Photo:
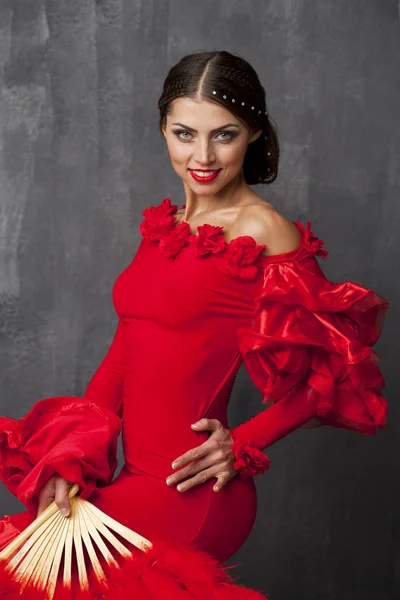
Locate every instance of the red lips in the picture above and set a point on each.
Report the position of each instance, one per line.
(203, 179)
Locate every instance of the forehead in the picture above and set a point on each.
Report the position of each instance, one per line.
(201, 112)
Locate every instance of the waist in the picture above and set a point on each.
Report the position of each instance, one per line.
(152, 449)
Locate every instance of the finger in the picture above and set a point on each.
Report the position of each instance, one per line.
(207, 425)
(61, 496)
(191, 455)
(196, 480)
(201, 477)
(199, 451)
(192, 469)
(46, 495)
(222, 471)
(217, 455)
(222, 480)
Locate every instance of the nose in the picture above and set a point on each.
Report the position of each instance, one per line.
(204, 153)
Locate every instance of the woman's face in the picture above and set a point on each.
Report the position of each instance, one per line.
(206, 144)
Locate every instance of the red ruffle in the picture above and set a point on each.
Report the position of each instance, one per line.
(310, 241)
(310, 328)
(167, 571)
(8, 532)
(65, 435)
(249, 461)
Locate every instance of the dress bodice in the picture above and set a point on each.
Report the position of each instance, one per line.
(182, 302)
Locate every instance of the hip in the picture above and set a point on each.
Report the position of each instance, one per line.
(216, 522)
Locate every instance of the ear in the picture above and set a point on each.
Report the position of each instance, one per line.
(255, 135)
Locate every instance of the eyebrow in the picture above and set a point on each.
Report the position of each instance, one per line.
(212, 131)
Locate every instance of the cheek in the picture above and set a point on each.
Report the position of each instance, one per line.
(178, 152)
(233, 154)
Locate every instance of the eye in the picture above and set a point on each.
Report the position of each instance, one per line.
(230, 135)
(186, 136)
(180, 132)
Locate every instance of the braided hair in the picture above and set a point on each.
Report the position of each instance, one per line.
(230, 81)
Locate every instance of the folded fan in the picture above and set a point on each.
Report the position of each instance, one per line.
(38, 551)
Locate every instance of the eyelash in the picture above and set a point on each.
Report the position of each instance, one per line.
(178, 132)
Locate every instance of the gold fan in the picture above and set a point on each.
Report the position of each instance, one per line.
(41, 545)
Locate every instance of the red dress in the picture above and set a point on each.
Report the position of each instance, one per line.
(191, 308)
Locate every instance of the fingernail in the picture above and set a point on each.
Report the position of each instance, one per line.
(216, 489)
(174, 465)
(179, 487)
(195, 425)
(169, 481)
(65, 512)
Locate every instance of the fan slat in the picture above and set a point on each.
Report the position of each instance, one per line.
(28, 543)
(89, 546)
(55, 567)
(46, 559)
(119, 546)
(27, 567)
(80, 559)
(67, 578)
(97, 537)
(134, 538)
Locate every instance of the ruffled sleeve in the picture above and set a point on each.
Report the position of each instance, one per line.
(69, 436)
(310, 351)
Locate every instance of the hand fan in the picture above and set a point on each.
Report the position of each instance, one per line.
(35, 556)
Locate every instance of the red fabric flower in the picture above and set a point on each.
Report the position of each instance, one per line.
(249, 460)
(210, 238)
(158, 221)
(241, 254)
(310, 241)
(176, 238)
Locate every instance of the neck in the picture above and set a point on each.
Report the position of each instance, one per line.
(229, 195)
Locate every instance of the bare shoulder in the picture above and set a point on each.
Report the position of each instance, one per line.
(267, 226)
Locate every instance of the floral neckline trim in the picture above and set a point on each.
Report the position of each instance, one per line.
(241, 254)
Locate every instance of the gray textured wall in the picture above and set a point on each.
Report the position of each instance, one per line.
(80, 157)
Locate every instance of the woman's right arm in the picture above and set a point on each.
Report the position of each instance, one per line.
(106, 386)
(104, 389)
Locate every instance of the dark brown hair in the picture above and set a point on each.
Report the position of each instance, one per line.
(230, 81)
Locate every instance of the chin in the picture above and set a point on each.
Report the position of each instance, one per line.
(209, 190)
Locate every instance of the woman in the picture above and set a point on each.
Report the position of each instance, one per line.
(222, 279)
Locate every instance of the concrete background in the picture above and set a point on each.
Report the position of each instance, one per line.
(81, 156)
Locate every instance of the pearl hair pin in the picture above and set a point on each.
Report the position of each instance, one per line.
(234, 100)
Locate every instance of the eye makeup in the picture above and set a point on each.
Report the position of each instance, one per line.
(179, 132)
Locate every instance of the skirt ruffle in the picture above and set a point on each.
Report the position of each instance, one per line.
(166, 572)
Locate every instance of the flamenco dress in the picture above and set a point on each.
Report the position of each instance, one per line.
(191, 309)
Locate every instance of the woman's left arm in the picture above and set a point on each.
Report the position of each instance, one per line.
(310, 354)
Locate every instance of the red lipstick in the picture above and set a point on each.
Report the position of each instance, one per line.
(203, 178)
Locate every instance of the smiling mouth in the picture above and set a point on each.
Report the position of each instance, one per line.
(206, 173)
